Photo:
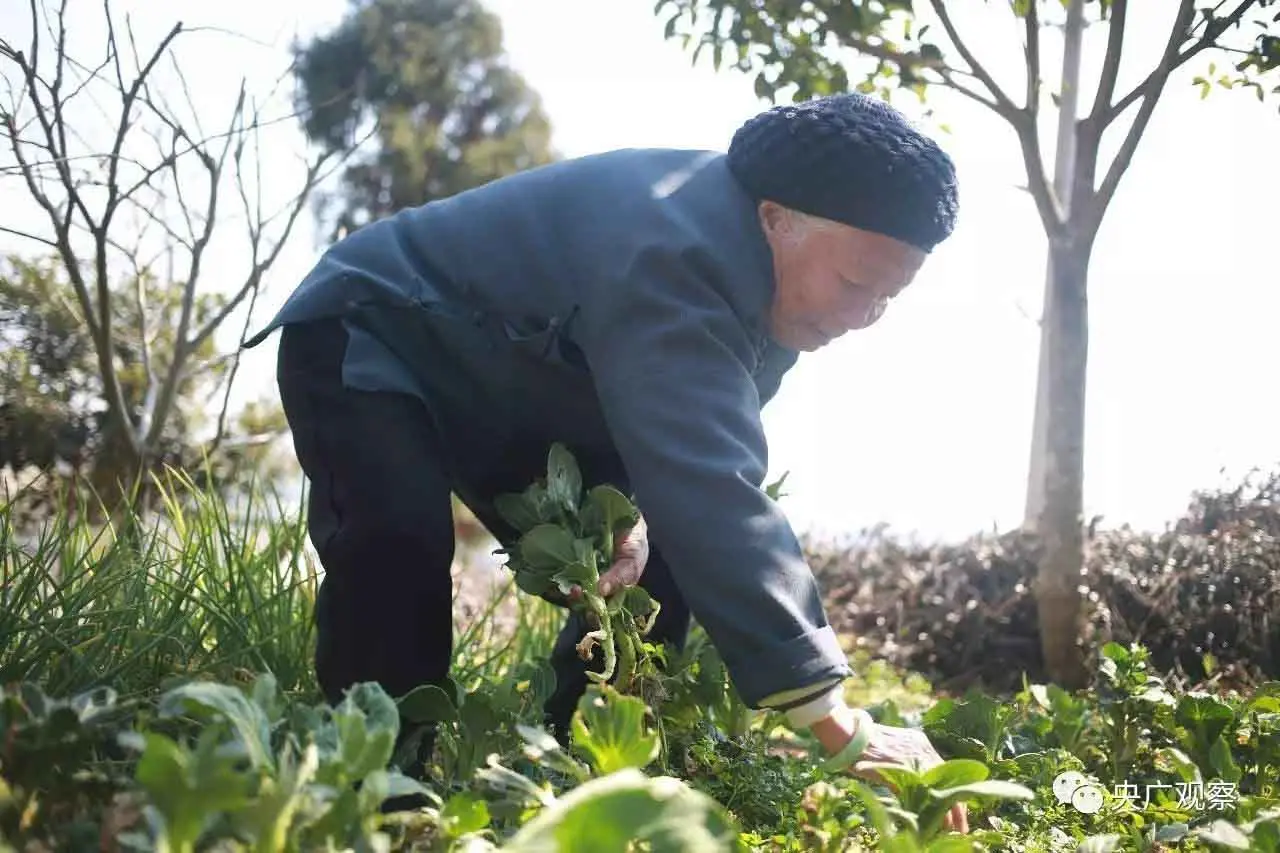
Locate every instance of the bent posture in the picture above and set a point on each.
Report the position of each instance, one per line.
(640, 307)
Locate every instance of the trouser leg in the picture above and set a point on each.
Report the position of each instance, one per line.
(380, 517)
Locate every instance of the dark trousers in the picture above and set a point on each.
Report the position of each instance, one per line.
(381, 520)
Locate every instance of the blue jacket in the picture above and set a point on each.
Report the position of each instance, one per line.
(619, 302)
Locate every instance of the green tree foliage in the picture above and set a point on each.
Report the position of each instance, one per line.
(431, 77)
(53, 416)
(807, 46)
(811, 47)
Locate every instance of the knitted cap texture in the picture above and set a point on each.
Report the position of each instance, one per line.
(853, 159)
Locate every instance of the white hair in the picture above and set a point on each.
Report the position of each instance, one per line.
(808, 224)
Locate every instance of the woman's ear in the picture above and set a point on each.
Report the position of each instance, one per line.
(776, 220)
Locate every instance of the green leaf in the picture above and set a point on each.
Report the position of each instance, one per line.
(638, 601)
(207, 701)
(1221, 761)
(189, 787)
(661, 814)
(534, 582)
(577, 574)
(899, 776)
(875, 809)
(1266, 836)
(479, 716)
(1203, 714)
(610, 728)
(519, 511)
(613, 508)
(564, 479)
(428, 704)
(1113, 651)
(463, 813)
(969, 728)
(373, 705)
(361, 738)
(989, 788)
(957, 771)
(1181, 763)
(547, 546)
(774, 489)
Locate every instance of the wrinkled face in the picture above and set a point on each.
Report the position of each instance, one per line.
(831, 278)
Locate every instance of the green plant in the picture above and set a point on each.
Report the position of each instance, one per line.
(145, 705)
(567, 540)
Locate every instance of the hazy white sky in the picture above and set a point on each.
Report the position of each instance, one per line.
(922, 422)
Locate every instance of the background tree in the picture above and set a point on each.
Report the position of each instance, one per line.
(149, 194)
(808, 48)
(52, 418)
(431, 79)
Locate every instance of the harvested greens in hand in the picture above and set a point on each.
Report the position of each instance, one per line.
(567, 539)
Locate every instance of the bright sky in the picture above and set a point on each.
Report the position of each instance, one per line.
(922, 422)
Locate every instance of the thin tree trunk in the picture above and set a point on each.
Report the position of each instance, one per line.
(1060, 525)
(1063, 183)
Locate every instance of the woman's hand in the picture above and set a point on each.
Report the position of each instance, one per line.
(887, 744)
(630, 555)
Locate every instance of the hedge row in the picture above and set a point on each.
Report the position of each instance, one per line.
(964, 614)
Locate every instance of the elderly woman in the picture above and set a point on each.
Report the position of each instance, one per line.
(640, 307)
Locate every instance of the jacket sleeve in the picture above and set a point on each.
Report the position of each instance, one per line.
(672, 366)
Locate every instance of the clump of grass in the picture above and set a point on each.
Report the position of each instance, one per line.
(195, 590)
(200, 589)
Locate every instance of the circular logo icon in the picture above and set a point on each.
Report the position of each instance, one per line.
(1065, 784)
(1087, 798)
(1072, 787)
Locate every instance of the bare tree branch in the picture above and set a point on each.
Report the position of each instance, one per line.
(61, 230)
(1007, 107)
(1152, 90)
(90, 242)
(1026, 124)
(105, 343)
(37, 238)
(1170, 63)
(949, 80)
(1032, 54)
(220, 432)
(1047, 204)
(947, 75)
(154, 216)
(254, 277)
(1111, 61)
(154, 417)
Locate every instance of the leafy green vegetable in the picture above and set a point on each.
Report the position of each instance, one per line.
(566, 540)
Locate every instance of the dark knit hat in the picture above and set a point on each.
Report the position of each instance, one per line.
(852, 159)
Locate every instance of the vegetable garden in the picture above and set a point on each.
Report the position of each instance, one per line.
(157, 695)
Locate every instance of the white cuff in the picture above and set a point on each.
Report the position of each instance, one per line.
(803, 716)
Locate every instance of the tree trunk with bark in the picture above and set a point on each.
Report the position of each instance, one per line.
(1060, 525)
